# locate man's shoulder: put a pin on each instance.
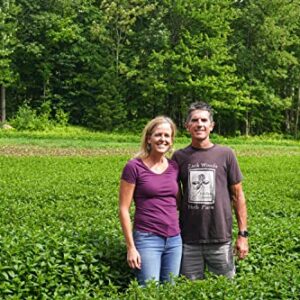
(180, 155)
(183, 151)
(223, 149)
(226, 153)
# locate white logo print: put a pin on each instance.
(202, 186)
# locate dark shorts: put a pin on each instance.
(217, 257)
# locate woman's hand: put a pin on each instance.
(134, 258)
(125, 199)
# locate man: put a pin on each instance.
(211, 186)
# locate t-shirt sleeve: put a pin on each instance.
(234, 171)
(174, 157)
(129, 173)
(175, 167)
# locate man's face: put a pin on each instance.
(200, 125)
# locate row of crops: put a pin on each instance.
(60, 236)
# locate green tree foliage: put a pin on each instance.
(8, 12)
(45, 58)
(198, 63)
(115, 64)
(266, 36)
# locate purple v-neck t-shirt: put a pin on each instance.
(154, 197)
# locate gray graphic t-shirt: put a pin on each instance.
(205, 209)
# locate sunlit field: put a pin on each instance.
(60, 236)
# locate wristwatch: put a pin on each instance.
(243, 233)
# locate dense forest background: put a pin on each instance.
(111, 65)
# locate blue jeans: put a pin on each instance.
(160, 256)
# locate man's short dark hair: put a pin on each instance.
(200, 106)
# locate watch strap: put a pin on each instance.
(243, 233)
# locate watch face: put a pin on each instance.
(243, 233)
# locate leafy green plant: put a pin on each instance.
(60, 236)
(30, 119)
(25, 118)
(61, 117)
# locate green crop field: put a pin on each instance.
(60, 236)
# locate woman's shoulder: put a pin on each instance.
(173, 163)
(133, 163)
(131, 170)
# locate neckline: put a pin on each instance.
(202, 149)
(168, 164)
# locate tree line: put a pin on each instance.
(113, 64)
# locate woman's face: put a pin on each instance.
(161, 138)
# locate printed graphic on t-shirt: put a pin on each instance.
(202, 188)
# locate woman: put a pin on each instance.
(154, 247)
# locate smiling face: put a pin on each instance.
(160, 139)
(199, 126)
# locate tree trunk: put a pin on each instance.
(247, 131)
(297, 114)
(287, 122)
(3, 109)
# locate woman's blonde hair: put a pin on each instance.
(147, 132)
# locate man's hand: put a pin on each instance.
(241, 247)
(239, 205)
